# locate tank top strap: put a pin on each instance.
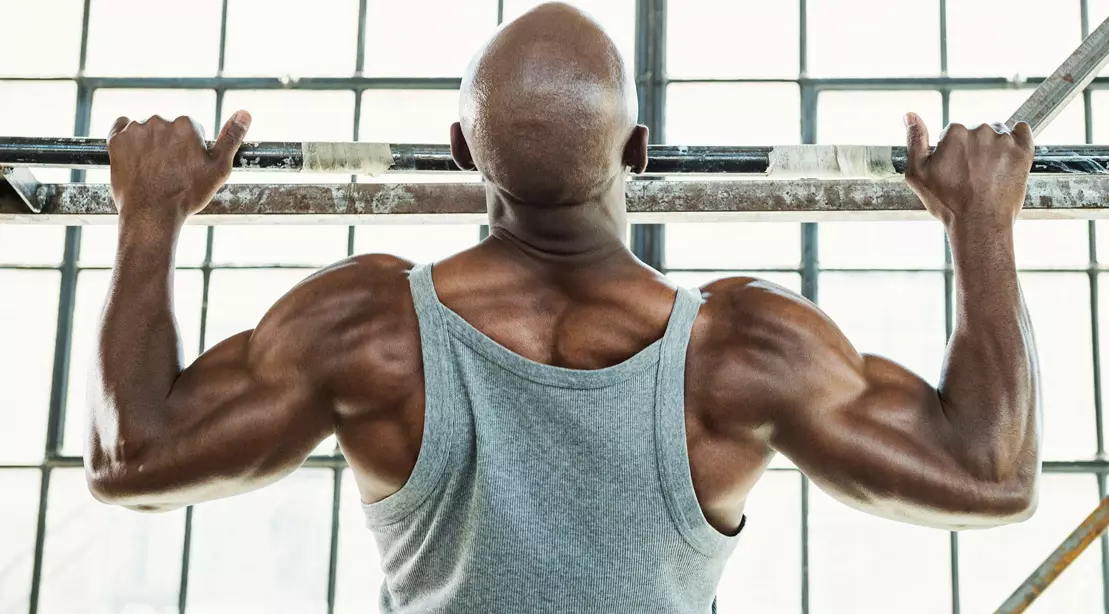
(670, 435)
(439, 419)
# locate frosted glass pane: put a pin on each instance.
(764, 573)
(266, 551)
(38, 109)
(102, 559)
(360, 578)
(92, 290)
(874, 118)
(41, 38)
(701, 38)
(973, 108)
(616, 16)
(881, 245)
(449, 34)
(1060, 307)
(733, 245)
(237, 300)
(419, 244)
(18, 518)
(99, 243)
(108, 105)
(1102, 227)
(733, 114)
(30, 108)
(1052, 243)
(118, 48)
(869, 565)
(408, 116)
(899, 316)
(993, 37)
(300, 245)
(27, 244)
(293, 116)
(873, 38)
(1103, 318)
(994, 562)
(275, 38)
(27, 331)
(1099, 104)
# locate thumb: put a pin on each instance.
(917, 135)
(230, 138)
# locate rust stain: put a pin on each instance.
(1069, 78)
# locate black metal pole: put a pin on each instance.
(663, 159)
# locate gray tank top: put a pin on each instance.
(544, 489)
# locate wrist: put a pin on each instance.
(979, 227)
(148, 234)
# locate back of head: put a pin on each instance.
(548, 106)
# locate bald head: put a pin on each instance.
(548, 110)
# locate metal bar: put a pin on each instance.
(451, 83)
(257, 83)
(1049, 197)
(22, 183)
(1089, 466)
(40, 543)
(662, 159)
(647, 240)
(1067, 82)
(1058, 561)
(333, 550)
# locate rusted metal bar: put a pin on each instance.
(1058, 561)
(662, 159)
(1049, 197)
(1067, 82)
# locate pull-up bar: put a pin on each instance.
(823, 161)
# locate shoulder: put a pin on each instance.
(336, 311)
(747, 309)
(758, 348)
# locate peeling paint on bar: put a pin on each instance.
(1049, 197)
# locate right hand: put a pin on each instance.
(164, 170)
(976, 175)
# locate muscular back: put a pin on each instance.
(590, 319)
(766, 371)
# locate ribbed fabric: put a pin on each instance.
(544, 489)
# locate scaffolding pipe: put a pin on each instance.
(294, 157)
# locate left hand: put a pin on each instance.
(164, 170)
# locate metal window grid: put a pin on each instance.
(647, 241)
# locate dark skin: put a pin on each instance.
(767, 371)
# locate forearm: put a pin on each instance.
(138, 347)
(989, 384)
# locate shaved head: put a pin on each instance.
(548, 110)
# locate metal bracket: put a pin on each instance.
(21, 182)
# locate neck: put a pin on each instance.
(577, 233)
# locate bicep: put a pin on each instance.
(875, 436)
(235, 420)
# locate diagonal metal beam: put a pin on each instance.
(1067, 82)
(1056, 563)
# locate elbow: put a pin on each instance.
(1007, 504)
(115, 483)
(114, 491)
(103, 486)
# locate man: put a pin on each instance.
(541, 422)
